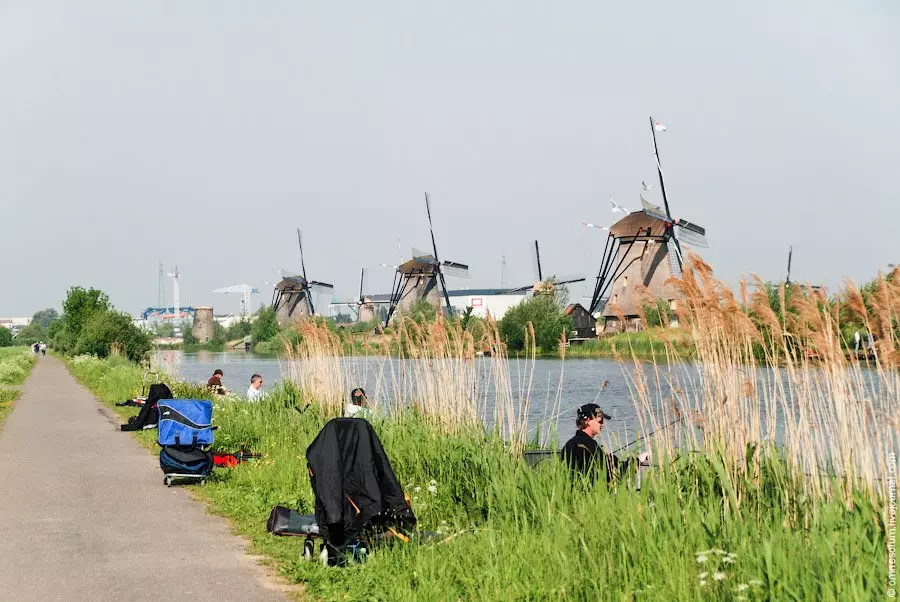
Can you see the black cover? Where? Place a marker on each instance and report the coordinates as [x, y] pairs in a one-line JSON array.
[[354, 483], [149, 414], [185, 462], [285, 521]]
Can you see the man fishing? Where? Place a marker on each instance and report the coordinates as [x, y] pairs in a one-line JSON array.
[[582, 453]]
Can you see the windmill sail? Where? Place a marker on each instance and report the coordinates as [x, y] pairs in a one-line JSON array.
[[674, 258]]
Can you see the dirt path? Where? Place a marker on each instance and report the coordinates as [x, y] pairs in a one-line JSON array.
[[84, 514]]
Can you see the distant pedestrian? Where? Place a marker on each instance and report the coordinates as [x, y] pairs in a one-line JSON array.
[[43, 347], [36, 347], [255, 392]]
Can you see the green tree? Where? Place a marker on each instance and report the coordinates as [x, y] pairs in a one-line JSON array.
[[422, 311], [6, 337], [80, 304], [107, 328], [265, 327], [31, 334], [238, 330], [546, 317], [44, 317]]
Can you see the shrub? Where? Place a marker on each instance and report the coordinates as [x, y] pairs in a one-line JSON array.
[[104, 329], [265, 327], [546, 317], [6, 337]]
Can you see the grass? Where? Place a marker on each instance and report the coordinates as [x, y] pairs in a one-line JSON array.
[[15, 365], [649, 344]]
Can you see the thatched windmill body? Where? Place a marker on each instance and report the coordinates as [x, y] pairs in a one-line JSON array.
[[423, 277], [293, 295], [642, 252]]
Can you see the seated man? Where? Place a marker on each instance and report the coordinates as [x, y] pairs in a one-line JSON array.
[[255, 392], [359, 405], [582, 453], [215, 383]]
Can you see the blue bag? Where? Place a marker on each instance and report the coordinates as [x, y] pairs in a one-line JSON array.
[[185, 422], [197, 462]]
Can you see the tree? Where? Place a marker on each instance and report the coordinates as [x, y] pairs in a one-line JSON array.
[[31, 334], [265, 327], [422, 311], [80, 304], [107, 329], [6, 337], [546, 317], [44, 317]]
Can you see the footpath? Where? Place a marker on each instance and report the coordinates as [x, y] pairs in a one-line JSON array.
[[84, 514]]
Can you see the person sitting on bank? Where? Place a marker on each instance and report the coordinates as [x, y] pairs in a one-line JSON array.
[[359, 404], [255, 392], [215, 383], [582, 453]]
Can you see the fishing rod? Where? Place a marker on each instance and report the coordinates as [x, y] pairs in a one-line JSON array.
[[662, 428], [554, 417]]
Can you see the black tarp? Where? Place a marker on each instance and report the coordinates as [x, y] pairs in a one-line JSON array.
[[149, 414], [354, 484]]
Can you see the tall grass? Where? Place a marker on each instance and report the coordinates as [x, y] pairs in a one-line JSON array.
[[15, 364]]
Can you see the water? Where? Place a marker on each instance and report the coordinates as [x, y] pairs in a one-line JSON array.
[[572, 383], [557, 387]]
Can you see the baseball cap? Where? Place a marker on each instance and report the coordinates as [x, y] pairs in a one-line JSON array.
[[592, 410]]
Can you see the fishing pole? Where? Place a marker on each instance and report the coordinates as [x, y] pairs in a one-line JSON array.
[[662, 428], [553, 418]]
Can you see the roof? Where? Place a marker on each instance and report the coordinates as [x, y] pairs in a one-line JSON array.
[[571, 308], [638, 221]]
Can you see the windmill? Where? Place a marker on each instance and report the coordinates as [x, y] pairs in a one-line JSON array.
[[293, 295], [422, 277], [245, 290], [643, 248], [542, 286], [363, 306]]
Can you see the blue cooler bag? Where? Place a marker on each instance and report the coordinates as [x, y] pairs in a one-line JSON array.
[[185, 423]]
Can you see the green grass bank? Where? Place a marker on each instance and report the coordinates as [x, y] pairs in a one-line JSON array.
[[15, 365], [510, 532]]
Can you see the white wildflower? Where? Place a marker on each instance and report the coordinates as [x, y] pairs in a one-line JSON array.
[[741, 587], [432, 489], [756, 583], [701, 558], [432, 482], [417, 489], [704, 575], [703, 582], [718, 576]]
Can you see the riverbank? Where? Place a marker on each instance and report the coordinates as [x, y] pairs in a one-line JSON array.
[[694, 531], [15, 365]]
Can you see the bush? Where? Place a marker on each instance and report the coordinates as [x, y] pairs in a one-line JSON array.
[[422, 311], [238, 330], [104, 329], [658, 314], [546, 317], [6, 337]]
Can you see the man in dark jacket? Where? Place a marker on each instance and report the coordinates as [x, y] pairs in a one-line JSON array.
[[582, 453]]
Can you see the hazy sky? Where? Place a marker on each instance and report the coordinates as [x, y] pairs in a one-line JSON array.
[[203, 133]]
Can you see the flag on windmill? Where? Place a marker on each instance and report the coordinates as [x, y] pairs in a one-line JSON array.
[[659, 126]]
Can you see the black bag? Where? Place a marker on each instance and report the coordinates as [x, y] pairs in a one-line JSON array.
[[285, 521], [195, 462], [148, 417]]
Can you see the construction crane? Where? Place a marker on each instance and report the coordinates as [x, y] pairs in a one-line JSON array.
[[245, 291], [175, 276]]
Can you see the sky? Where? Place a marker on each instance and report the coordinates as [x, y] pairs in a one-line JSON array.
[[203, 133]]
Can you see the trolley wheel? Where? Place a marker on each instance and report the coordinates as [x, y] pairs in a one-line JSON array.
[[309, 549]]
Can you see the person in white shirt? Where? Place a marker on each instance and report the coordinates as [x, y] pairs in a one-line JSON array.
[[359, 405], [255, 392]]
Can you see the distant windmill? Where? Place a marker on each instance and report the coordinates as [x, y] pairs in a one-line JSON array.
[[293, 295], [245, 290], [422, 277], [363, 306], [644, 248], [543, 287], [175, 276]]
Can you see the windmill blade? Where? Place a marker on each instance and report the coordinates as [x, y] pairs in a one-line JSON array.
[[384, 265], [362, 277], [569, 281], [424, 256], [457, 270], [674, 258], [790, 252], [434, 246], [692, 237], [537, 262], [653, 211], [320, 287], [300, 242], [595, 226]]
